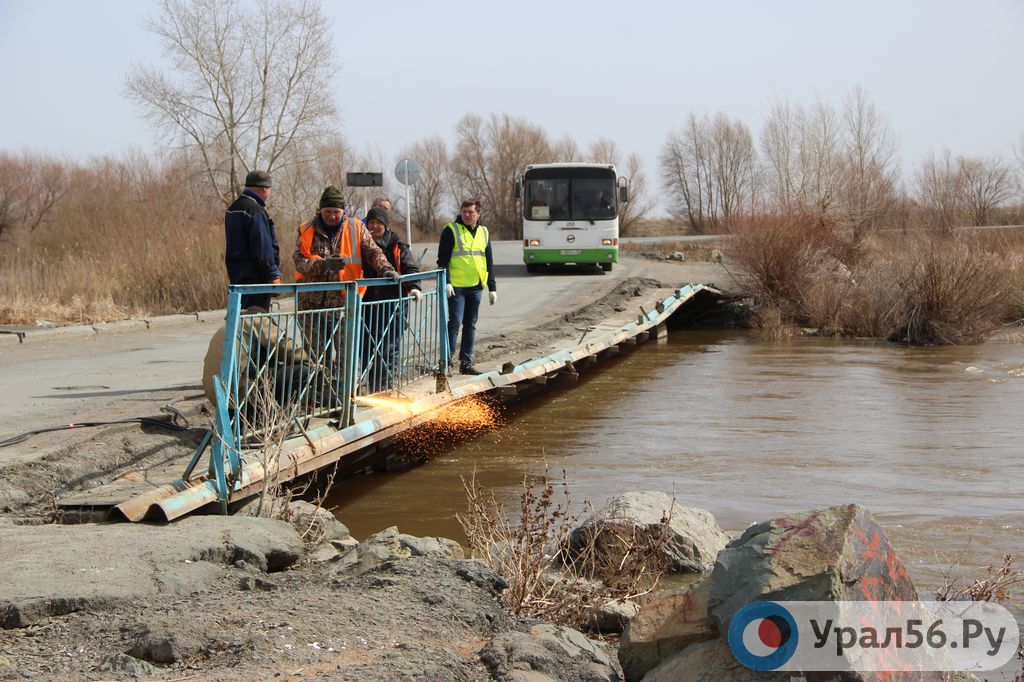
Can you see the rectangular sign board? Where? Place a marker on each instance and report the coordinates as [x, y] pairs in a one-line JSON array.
[[364, 179]]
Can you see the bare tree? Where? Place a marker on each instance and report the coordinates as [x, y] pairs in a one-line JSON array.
[[299, 184], [431, 195], [31, 187], [684, 172], [707, 169], [246, 84], [803, 163], [939, 192], [870, 159], [732, 165], [780, 144], [639, 205], [564, 149], [489, 155], [986, 184]]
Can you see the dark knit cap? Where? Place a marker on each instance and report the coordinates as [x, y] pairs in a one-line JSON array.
[[332, 198], [378, 213], [257, 178]]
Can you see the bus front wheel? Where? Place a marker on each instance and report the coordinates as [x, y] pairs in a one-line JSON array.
[[532, 267], [607, 267]]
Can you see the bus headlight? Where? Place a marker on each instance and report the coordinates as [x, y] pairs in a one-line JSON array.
[[534, 242], [606, 242]]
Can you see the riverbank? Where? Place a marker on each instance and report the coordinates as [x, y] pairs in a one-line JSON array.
[[195, 598]]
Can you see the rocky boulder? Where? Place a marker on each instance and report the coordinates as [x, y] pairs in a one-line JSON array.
[[547, 652], [713, 662], [693, 537], [665, 625], [837, 554]]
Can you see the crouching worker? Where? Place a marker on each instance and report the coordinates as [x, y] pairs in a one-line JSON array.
[[385, 314], [276, 379]]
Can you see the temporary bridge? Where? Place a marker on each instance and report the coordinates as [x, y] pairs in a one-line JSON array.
[[294, 391]]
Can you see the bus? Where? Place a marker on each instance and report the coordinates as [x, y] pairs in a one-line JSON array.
[[571, 214]]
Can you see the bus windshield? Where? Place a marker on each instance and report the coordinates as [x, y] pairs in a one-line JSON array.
[[576, 194]]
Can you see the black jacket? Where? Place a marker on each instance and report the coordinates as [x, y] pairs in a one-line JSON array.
[[400, 257], [251, 253]]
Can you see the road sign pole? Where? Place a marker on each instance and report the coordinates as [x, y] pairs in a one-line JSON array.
[[408, 171], [408, 209]]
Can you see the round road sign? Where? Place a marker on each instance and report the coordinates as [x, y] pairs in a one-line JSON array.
[[408, 172]]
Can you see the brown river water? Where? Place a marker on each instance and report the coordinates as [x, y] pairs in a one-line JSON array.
[[928, 439]]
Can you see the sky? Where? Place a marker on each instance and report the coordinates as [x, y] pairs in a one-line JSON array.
[[944, 74]]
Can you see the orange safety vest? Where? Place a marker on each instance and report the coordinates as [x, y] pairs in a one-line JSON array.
[[348, 249]]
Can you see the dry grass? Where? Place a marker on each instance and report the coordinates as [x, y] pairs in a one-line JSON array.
[[125, 239], [923, 288], [548, 577]]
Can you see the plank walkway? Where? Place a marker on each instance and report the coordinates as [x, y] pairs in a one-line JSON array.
[[160, 493]]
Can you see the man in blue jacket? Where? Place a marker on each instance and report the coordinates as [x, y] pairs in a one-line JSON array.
[[252, 254]]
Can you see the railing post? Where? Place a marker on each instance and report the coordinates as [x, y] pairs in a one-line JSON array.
[[229, 373], [442, 318], [350, 365]]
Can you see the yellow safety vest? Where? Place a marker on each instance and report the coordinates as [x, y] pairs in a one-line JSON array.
[[468, 264]]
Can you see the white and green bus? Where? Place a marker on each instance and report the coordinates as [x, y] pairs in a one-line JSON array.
[[571, 214]]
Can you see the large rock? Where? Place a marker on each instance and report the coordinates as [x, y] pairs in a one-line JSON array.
[[547, 652], [432, 546], [694, 536], [315, 524], [56, 569], [665, 625], [836, 554], [713, 662]]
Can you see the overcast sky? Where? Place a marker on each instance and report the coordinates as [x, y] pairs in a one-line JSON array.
[[943, 73]]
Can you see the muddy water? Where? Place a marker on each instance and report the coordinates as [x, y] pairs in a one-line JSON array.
[[928, 439]]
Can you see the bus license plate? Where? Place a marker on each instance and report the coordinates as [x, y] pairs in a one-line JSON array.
[[571, 252]]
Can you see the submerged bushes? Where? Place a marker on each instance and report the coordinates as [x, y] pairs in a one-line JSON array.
[[925, 288]]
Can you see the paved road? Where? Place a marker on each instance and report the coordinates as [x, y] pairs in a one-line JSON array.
[[50, 380]]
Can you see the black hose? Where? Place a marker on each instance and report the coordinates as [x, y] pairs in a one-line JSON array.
[[176, 422]]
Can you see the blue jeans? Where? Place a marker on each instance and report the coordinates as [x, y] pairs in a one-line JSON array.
[[463, 309]]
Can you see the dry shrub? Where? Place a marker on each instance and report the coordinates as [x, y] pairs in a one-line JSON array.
[[771, 325], [922, 289], [997, 586], [549, 578], [933, 289], [266, 424], [1001, 583], [784, 253]]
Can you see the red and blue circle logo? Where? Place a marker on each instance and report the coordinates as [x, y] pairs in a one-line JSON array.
[[763, 635]]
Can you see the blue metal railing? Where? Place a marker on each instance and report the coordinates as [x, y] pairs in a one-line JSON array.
[[301, 362]]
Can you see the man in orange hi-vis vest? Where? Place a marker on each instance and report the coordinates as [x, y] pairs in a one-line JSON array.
[[332, 247]]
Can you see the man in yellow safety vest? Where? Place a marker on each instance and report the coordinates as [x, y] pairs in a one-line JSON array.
[[465, 251]]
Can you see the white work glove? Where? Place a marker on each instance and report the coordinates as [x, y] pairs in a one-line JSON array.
[[451, 290], [492, 296], [394, 275], [416, 294]]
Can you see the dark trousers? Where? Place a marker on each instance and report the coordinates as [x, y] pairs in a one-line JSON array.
[[463, 310], [383, 326]]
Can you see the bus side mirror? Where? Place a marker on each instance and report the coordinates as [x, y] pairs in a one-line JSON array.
[[519, 189], [623, 190]]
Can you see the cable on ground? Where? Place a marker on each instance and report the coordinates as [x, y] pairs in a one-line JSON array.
[[176, 421]]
